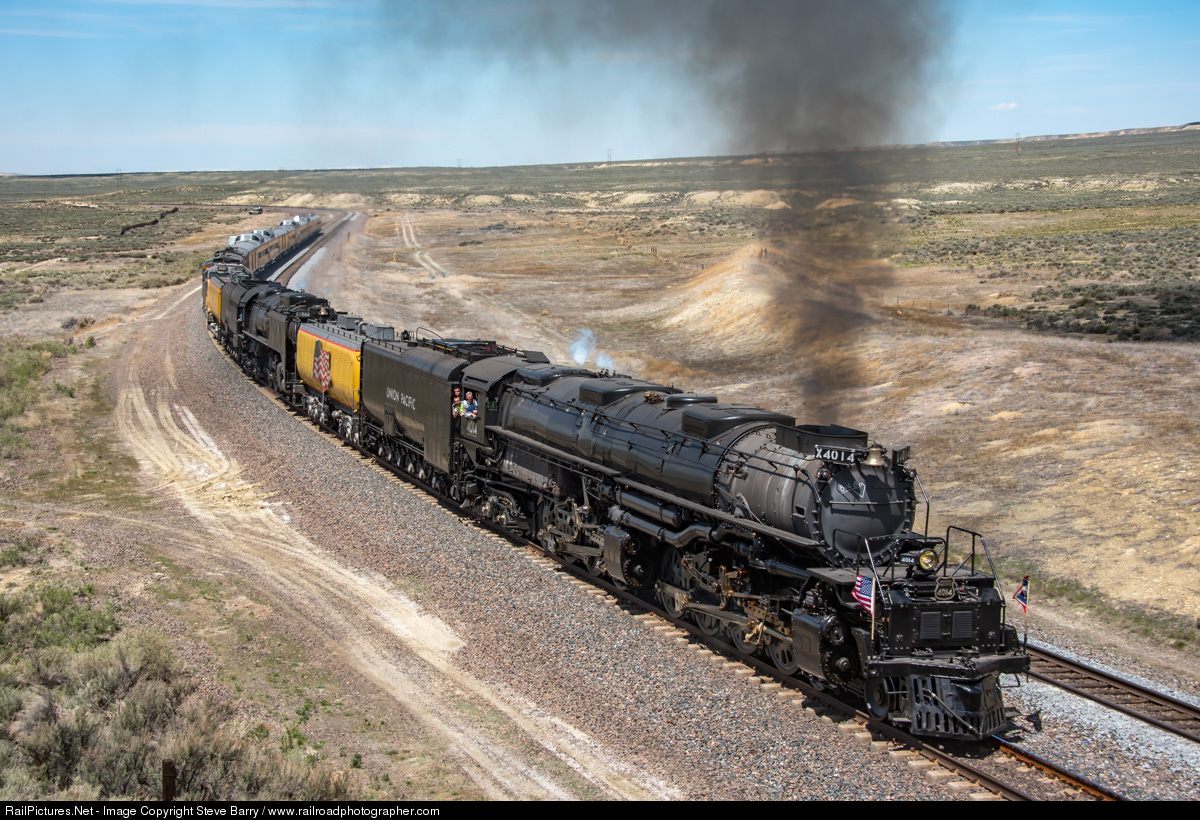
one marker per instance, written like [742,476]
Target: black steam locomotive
[794,542]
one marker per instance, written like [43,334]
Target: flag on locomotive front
[1022,595]
[864,592]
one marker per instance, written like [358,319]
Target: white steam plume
[584,346]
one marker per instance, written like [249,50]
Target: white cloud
[1003,107]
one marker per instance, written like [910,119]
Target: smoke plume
[776,76]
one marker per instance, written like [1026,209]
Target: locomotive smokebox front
[823,483]
[860,501]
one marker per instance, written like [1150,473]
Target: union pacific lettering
[403,399]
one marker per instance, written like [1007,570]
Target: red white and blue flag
[322,367]
[864,592]
[1022,595]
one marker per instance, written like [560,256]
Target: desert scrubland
[1027,322]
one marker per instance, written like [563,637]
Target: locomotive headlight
[927,560]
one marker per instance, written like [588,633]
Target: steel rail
[290,268]
[1029,758]
[1124,696]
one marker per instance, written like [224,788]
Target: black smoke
[781,76]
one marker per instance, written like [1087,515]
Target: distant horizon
[631,161]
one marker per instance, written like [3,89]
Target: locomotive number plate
[834,454]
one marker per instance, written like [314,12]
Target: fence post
[168,780]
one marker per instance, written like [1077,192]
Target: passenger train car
[256,253]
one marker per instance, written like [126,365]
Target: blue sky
[149,85]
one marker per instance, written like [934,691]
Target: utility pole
[610,155]
[1018,143]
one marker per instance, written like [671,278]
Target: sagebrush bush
[95,718]
[22,363]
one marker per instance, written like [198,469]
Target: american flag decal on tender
[322,367]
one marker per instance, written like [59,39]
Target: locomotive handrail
[987,554]
[916,476]
[876,590]
[762,529]
[617,422]
[991,564]
[812,487]
[833,503]
[542,399]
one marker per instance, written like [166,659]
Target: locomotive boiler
[795,542]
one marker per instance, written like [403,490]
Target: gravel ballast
[528,630]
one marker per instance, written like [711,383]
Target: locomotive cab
[487,378]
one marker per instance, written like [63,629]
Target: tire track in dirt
[420,255]
[358,616]
[409,235]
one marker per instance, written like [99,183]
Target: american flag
[864,592]
[1022,595]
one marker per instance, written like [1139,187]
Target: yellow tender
[339,378]
[212,298]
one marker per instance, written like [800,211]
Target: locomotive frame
[791,541]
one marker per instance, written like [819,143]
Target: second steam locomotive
[795,542]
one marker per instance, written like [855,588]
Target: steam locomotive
[795,542]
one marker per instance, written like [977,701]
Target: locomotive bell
[874,456]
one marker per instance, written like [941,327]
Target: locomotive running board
[753,527]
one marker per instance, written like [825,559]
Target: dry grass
[89,712]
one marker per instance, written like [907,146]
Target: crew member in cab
[470,407]
[456,403]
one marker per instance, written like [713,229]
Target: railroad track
[925,757]
[919,754]
[1124,696]
[284,275]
